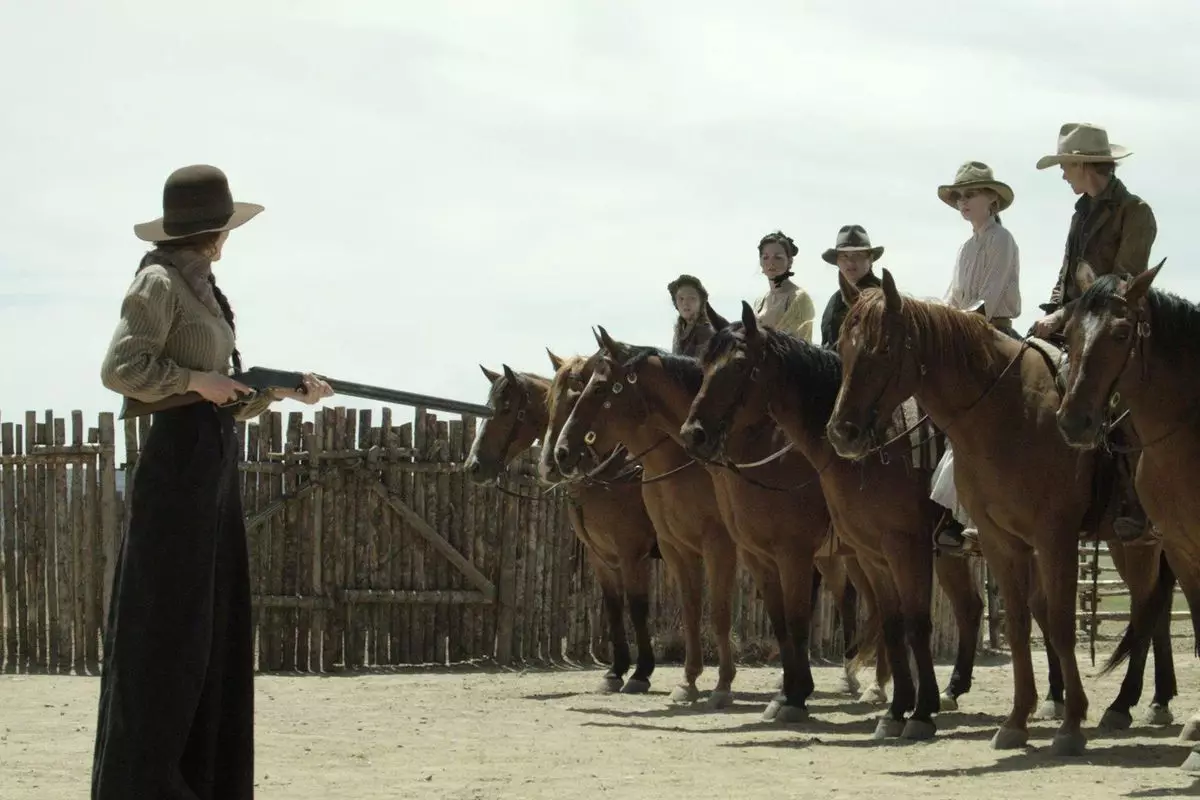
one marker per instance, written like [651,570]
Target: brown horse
[692,535]
[840,573]
[777,531]
[610,520]
[995,398]
[1135,346]
[880,505]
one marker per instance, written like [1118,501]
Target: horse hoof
[873,695]
[1114,720]
[918,730]
[850,685]
[1192,762]
[1051,710]
[948,702]
[635,686]
[888,728]
[772,709]
[1068,744]
[1191,731]
[791,714]
[685,694]
[1010,739]
[610,684]
[720,698]
[1158,714]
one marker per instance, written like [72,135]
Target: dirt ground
[479,735]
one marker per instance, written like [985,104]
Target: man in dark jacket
[1112,231]
[854,256]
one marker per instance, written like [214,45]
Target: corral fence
[368,547]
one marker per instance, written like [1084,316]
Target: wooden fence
[367,545]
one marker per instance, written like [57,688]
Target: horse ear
[749,321]
[609,344]
[1085,276]
[892,300]
[509,375]
[555,361]
[491,376]
[1135,292]
[849,291]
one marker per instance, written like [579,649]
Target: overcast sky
[462,182]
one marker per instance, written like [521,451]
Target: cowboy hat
[196,199]
[852,239]
[975,175]
[1082,142]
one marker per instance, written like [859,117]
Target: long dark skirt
[176,715]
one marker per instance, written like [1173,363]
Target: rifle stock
[262,379]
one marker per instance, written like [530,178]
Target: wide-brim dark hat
[687,280]
[852,239]
[196,199]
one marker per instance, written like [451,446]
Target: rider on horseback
[1112,231]
[985,279]
[854,256]
[697,321]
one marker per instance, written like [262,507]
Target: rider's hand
[1048,325]
[215,387]
[314,390]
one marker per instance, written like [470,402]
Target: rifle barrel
[407,398]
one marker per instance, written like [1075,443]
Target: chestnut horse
[610,520]
[1136,347]
[692,537]
[777,531]
[880,505]
[995,398]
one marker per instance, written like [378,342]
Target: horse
[692,535]
[995,399]
[777,532]
[610,520]
[881,506]
[1133,346]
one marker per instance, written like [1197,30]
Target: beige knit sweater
[164,333]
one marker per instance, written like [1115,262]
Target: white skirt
[942,489]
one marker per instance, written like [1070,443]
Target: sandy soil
[542,735]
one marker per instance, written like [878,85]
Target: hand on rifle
[313,391]
[215,387]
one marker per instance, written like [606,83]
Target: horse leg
[720,562]
[1165,687]
[912,571]
[766,578]
[1012,572]
[610,589]
[903,693]
[688,573]
[872,644]
[794,573]
[954,575]
[638,589]
[1057,565]
[1138,567]
[848,617]
[1054,705]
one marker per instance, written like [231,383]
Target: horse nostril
[698,436]
[560,453]
[848,431]
[472,466]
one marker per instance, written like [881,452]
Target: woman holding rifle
[176,715]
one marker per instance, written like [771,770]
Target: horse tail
[866,644]
[1143,620]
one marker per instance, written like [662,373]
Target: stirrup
[1129,529]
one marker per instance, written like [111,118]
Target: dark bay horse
[995,398]
[880,505]
[609,519]
[1135,347]
[777,531]
[692,536]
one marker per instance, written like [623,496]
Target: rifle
[262,379]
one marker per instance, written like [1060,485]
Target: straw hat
[975,175]
[852,239]
[1082,142]
[196,199]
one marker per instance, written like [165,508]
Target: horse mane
[683,370]
[571,367]
[941,334]
[1176,320]
[813,374]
